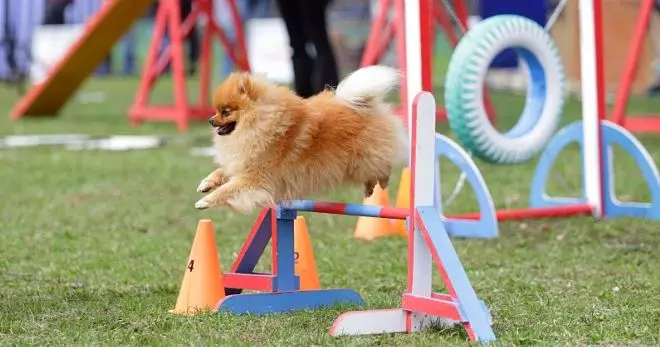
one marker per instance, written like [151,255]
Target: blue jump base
[283,302]
[611,135]
[285,295]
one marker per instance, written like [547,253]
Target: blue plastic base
[283,302]
[564,137]
[486,226]
[611,134]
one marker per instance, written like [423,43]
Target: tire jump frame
[429,243]
[535,131]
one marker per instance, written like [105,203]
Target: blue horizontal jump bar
[347,209]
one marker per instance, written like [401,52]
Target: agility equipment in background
[595,136]
[465,80]
[102,31]
[414,32]
[649,123]
[106,27]
[385,31]
[182,110]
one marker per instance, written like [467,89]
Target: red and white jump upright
[384,32]
[168,22]
[429,243]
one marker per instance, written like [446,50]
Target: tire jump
[465,83]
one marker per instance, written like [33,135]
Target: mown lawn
[94,244]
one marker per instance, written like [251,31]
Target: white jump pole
[418,37]
[593,101]
[420,283]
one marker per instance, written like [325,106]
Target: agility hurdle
[428,244]
[595,135]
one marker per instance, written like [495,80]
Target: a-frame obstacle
[428,244]
[106,27]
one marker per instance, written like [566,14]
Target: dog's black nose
[211,121]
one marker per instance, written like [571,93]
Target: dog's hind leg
[369,187]
[383,182]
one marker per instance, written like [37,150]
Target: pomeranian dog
[273,146]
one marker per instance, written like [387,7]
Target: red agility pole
[169,16]
[645,123]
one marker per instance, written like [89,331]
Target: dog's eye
[225,112]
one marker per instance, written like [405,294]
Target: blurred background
[35,34]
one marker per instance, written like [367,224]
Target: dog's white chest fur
[228,155]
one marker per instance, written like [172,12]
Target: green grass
[94,245]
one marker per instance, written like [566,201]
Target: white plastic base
[381,321]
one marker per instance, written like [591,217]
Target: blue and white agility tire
[464,85]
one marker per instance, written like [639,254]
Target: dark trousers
[193,36]
[54,14]
[192,39]
[306,24]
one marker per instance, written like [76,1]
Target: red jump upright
[646,123]
[169,16]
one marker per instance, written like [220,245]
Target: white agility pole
[590,62]
[422,264]
[413,55]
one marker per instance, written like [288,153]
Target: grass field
[94,246]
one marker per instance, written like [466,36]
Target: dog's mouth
[226,129]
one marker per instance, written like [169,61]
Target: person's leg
[194,49]
[654,36]
[192,39]
[54,14]
[303,65]
[129,51]
[260,8]
[325,64]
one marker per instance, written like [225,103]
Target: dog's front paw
[202,204]
[204,186]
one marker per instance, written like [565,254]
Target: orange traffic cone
[305,265]
[403,200]
[202,285]
[369,228]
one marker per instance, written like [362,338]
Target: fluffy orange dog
[273,146]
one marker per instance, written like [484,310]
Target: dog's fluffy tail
[367,85]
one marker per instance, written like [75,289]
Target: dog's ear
[249,85]
[245,84]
